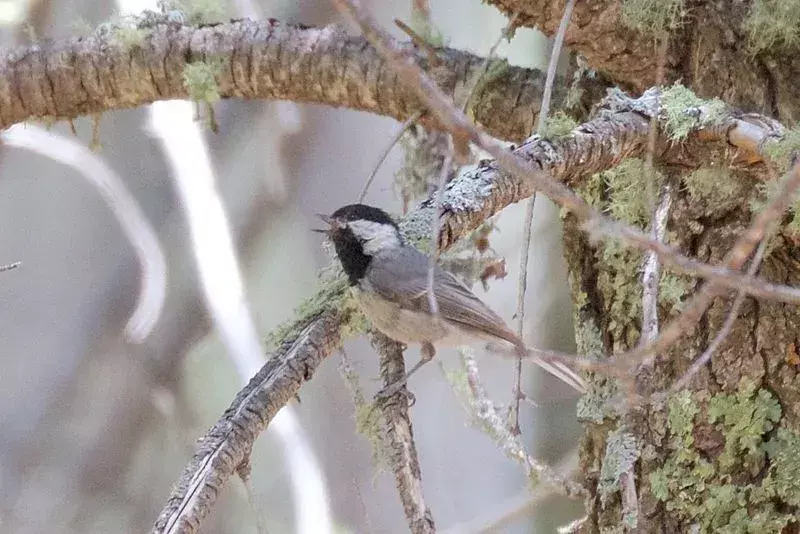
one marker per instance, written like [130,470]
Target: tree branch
[226,446]
[262,60]
[399,442]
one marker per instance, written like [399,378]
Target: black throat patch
[351,254]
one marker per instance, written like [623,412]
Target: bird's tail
[548,361]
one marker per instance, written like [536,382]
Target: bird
[389,281]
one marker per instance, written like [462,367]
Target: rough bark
[709,51]
[260,60]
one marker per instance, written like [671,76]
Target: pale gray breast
[400,275]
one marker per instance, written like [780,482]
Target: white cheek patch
[375,236]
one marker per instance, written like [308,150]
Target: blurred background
[95,428]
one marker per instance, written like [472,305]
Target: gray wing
[401,275]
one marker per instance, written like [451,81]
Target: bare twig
[733,314]
[393,141]
[475,81]
[436,226]
[484,410]
[527,227]
[401,449]
[123,206]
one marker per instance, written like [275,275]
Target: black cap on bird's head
[359,232]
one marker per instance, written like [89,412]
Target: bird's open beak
[332,224]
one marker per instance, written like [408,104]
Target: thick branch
[226,447]
[262,60]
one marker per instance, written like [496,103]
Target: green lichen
[558,124]
[595,405]
[332,294]
[200,79]
[130,37]
[423,27]
[653,17]
[711,492]
[684,112]
[745,416]
[496,68]
[196,12]
[593,191]
[673,289]
[783,478]
[619,280]
[773,25]
[712,185]
[620,456]
[627,184]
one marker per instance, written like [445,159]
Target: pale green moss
[773,25]
[627,184]
[673,288]
[684,112]
[558,124]
[200,79]
[594,405]
[704,491]
[619,280]
[332,293]
[422,26]
[653,17]
[130,37]
[497,67]
[712,185]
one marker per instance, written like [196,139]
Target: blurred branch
[527,225]
[10,266]
[401,451]
[123,206]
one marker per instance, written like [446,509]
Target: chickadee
[389,281]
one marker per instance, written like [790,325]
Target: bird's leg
[427,352]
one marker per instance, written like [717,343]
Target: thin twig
[436,226]
[527,227]
[484,410]
[733,314]
[393,141]
[401,449]
[475,81]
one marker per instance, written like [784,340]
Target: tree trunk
[719,454]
